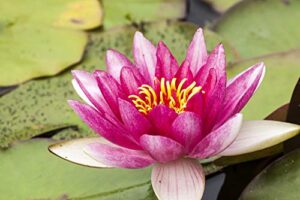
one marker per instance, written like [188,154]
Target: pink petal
[131,80]
[115,61]
[212,77]
[163,127]
[182,179]
[186,129]
[219,139]
[107,129]
[213,98]
[89,91]
[166,65]
[184,72]
[144,56]
[80,93]
[240,90]
[196,104]
[135,121]
[110,89]
[161,148]
[118,156]
[196,54]
[216,60]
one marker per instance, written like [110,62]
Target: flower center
[169,93]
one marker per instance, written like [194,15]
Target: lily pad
[41,105]
[74,14]
[35,54]
[45,176]
[256,27]
[136,11]
[37,38]
[281,180]
[282,73]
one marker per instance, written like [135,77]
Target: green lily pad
[41,105]
[136,11]
[281,180]
[74,14]
[37,174]
[282,73]
[222,6]
[35,54]
[256,27]
[37,38]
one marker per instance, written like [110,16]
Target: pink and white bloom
[154,111]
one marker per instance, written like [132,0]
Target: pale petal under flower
[182,179]
[260,134]
[73,151]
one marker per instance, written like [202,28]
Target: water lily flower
[154,111]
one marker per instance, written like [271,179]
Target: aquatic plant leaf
[280,180]
[256,27]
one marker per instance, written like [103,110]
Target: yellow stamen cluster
[174,96]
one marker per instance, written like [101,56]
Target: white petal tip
[260,134]
[73,151]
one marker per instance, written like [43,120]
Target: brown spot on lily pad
[76,21]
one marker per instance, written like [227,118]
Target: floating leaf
[37,174]
[41,105]
[35,54]
[37,38]
[281,180]
[282,73]
[74,14]
[136,11]
[256,27]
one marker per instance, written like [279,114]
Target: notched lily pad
[37,38]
